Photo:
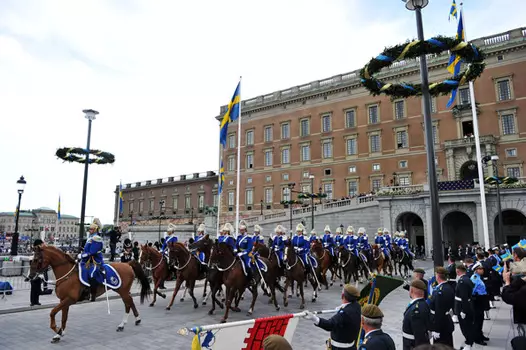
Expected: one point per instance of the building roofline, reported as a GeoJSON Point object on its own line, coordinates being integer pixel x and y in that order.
{"type": "Point", "coordinates": [491, 44]}
{"type": "Point", "coordinates": [180, 179]}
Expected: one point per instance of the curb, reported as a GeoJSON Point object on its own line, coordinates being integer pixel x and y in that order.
{"type": "Point", "coordinates": [50, 306]}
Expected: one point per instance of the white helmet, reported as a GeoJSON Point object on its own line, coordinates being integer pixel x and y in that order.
{"type": "Point", "coordinates": [350, 229]}
{"type": "Point", "coordinates": [95, 225]}
{"type": "Point", "coordinates": [201, 228]}
{"type": "Point", "coordinates": [386, 230]}
{"type": "Point", "coordinates": [300, 228]}
{"type": "Point", "coordinates": [278, 229]}
{"type": "Point", "coordinates": [380, 230]}
{"type": "Point", "coordinates": [171, 228]}
{"type": "Point", "coordinates": [402, 234]}
{"type": "Point", "coordinates": [327, 228]}
{"type": "Point", "coordinates": [361, 230]}
{"type": "Point", "coordinates": [313, 232]}
{"type": "Point", "coordinates": [338, 229]}
{"type": "Point", "coordinates": [257, 228]}
{"type": "Point", "coordinates": [227, 227]}
{"type": "Point", "coordinates": [242, 225]}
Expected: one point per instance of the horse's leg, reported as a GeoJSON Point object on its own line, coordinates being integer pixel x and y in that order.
{"type": "Point", "coordinates": [205, 294]}
{"type": "Point", "coordinates": [184, 293]}
{"type": "Point", "coordinates": [191, 291]}
{"type": "Point", "coordinates": [53, 324]}
{"type": "Point", "coordinates": [204, 290]}
{"type": "Point", "coordinates": [177, 287]}
{"type": "Point", "coordinates": [300, 287]}
{"type": "Point", "coordinates": [254, 290]}
{"type": "Point", "coordinates": [229, 297]}
{"type": "Point", "coordinates": [127, 308]}
{"type": "Point", "coordinates": [273, 297]}
{"type": "Point", "coordinates": [291, 289]}
{"type": "Point", "coordinates": [285, 294]}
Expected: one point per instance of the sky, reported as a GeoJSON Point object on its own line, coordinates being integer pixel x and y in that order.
{"type": "Point", "coordinates": [158, 72]}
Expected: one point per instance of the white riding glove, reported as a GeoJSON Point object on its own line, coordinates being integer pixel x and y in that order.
{"type": "Point", "coordinates": [462, 315]}
{"type": "Point", "coordinates": [435, 335]}
{"type": "Point", "coordinates": [310, 316]}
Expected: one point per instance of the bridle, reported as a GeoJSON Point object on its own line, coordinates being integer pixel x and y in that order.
{"type": "Point", "coordinates": [186, 264]}
{"type": "Point", "coordinates": [234, 260]}
{"type": "Point", "coordinates": [286, 259]}
{"type": "Point", "coordinates": [40, 270]}
{"type": "Point", "coordinates": [149, 258]}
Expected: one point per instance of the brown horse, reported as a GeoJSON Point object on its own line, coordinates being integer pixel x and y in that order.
{"type": "Point", "coordinates": [160, 269]}
{"type": "Point", "coordinates": [234, 278]}
{"type": "Point", "coordinates": [295, 271]}
{"type": "Point", "coordinates": [70, 290]}
{"type": "Point", "coordinates": [381, 263]}
{"type": "Point", "coordinates": [350, 265]}
{"type": "Point", "coordinates": [188, 269]}
{"type": "Point", "coordinates": [213, 276]}
{"type": "Point", "coordinates": [273, 274]}
{"type": "Point", "coordinates": [325, 262]}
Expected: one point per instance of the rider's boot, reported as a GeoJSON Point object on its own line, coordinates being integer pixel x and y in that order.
{"type": "Point", "coordinates": [93, 289]}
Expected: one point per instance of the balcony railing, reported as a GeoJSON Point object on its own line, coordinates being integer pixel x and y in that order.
{"type": "Point", "coordinates": [470, 141]}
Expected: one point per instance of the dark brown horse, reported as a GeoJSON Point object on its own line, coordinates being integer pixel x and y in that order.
{"type": "Point", "coordinates": [234, 278]}
{"type": "Point", "coordinates": [325, 263]}
{"type": "Point", "coordinates": [273, 274]}
{"type": "Point", "coordinates": [350, 264]}
{"type": "Point", "coordinates": [213, 276]}
{"type": "Point", "coordinates": [381, 263]}
{"type": "Point", "coordinates": [70, 290]}
{"type": "Point", "coordinates": [401, 258]}
{"type": "Point", "coordinates": [295, 271]}
{"type": "Point", "coordinates": [160, 270]}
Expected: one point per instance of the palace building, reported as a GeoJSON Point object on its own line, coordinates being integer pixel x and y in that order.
{"type": "Point", "coordinates": [332, 136]}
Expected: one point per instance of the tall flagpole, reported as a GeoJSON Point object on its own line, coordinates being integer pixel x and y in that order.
{"type": "Point", "coordinates": [238, 175]}
{"type": "Point", "coordinates": [477, 148]}
{"type": "Point", "coordinates": [219, 189]}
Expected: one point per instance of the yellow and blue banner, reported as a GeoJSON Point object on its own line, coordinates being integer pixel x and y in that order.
{"type": "Point", "coordinates": [506, 257]}
{"type": "Point", "coordinates": [231, 115]}
{"type": "Point", "coordinates": [58, 209]}
{"type": "Point", "coordinates": [498, 269]}
{"type": "Point", "coordinates": [453, 11]}
{"type": "Point", "coordinates": [221, 177]}
{"type": "Point", "coordinates": [521, 244]}
{"type": "Point", "coordinates": [121, 199]}
{"type": "Point", "coordinates": [454, 60]}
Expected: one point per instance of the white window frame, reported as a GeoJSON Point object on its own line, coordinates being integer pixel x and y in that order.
{"type": "Point", "coordinates": [249, 137]}
{"type": "Point", "coordinates": [249, 159]}
{"type": "Point", "coordinates": [352, 169]}
{"type": "Point", "coordinates": [399, 113]}
{"type": "Point", "coordinates": [326, 123]}
{"type": "Point", "coordinates": [269, 157]}
{"type": "Point", "coordinates": [285, 127]}
{"type": "Point", "coordinates": [350, 112]}
{"type": "Point", "coordinates": [249, 196]}
{"type": "Point", "coordinates": [303, 147]}
{"type": "Point", "coordinates": [285, 155]}
{"type": "Point", "coordinates": [268, 133]}
{"type": "Point", "coordinates": [369, 115]}
{"type": "Point", "coordinates": [377, 167]}
{"type": "Point", "coordinates": [268, 195]}
{"type": "Point", "coordinates": [326, 149]}
{"type": "Point", "coordinates": [307, 121]}
{"type": "Point", "coordinates": [232, 140]}
{"type": "Point", "coordinates": [231, 198]}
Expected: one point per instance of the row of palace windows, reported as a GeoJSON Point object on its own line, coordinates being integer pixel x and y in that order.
{"type": "Point", "coordinates": [175, 204]}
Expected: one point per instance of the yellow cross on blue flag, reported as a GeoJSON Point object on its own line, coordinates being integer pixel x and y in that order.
{"type": "Point", "coordinates": [231, 114]}
{"type": "Point", "coordinates": [454, 60]}
{"type": "Point", "coordinates": [453, 10]}
{"type": "Point", "coordinates": [58, 209]}
{"type": "Point", "coordinates": [121, 200]}
{"type": "Point", "coordinates": [221, 177]}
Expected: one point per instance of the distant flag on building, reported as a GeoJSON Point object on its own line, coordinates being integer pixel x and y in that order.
{"type": "Point", "coordinates": [58, 209]}
{"type": "Point", "coordinates": [453, 10]}
{"type": "Point", "coordinates": [121, 200]}
{"type": "Point", "coordinates": [454, 60]}
{"type": "Point", "coordinates": [221, 177]}
{"type": "Point", "coordinates": [231, 115]}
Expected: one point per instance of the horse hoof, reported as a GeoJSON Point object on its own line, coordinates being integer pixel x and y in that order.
{"type": "Point", "coordinates": [137, 322]}
{"type": "Point", "coordinates": [168, 308]}
{"type": "Point", "coordinates": [181, 300]}
{"type": "Point", "coordinates": [211, 312]}
{"type": "Point", "coordinates": [120, 329]}
{"type": "Point", "coordinates": [236, 309]}
{"type": "Point", "coordinates": [221, 306]}
{"type": "Point", "coordinates": [242, 298]}
{"type": "Point", "coordinates": [223, 320]}
{"type": "Point", "coordinates": [152, 304]}
{"type": "Point", "coordinates": [313, 300]}
{"type": "Point", "coordinates": [249, 313]}
{"type": "Point", "coordinates": [286, 304]}
{"type": "Point", "coordinates": [163, 296]}
{"type": "Point", "coordinates": [204, 303]}
{"type": "Point", "coordinates": [277, 308]}
{"type": "Point", "coordinates": [196, 306]}
{"type": "Point", "coordinates": [302, 306]}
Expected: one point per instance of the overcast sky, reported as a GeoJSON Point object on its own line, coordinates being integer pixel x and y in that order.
{"type": "Point", "coordinates": [158, 71]}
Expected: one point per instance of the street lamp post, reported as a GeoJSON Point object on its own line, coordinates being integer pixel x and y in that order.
{"type": "Point", "coordinates": [500, 238]}
{"type": "Point", "coordinates": [90, 115]}
{"type": "Point", "coordinates": [261, 211]}
{"type": "Point", "coordinates": [291, 188]}
{"type": "Point", "coordinates": [21, 184]}
{"type": "Point", "coordinates": [438, 257]}
{"type": "Point", "coordinates": [311, 177]}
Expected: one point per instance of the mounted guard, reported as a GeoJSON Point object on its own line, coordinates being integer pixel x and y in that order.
{"type": "Point", "coordinates": [92, 260]}
{"type": "Point", "coordinates": [258, 238]}
{"type": "Point", "coordinates": [278, 243]}
{"type": "Point", "coordinates": [350, 241]}
{"type": "Point", "coordinates": [338, 239]}
{"type": "Point", "coordinates": [381, 241]}
{"type": "Point", "coordinates": [313, 236]}
{"type": "Point", "coordinates": [200, 234]}
{"type": "Point", "coordinates": [302, 248]}
{"type": "Point", "coordinates": [225, 236]}
{"type": "Point", "coordinates": [170, 237]}
{"type": "Point", "coordinates": [328, 241]}
{"type": "Point", "coordinates": [363, 245]}
{"type": "Point", "coordinates": [404, 245]}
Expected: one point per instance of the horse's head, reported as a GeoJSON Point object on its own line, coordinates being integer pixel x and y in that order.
{"type": "Point", "coordinates": [219, 252]}
{"type": "Point", "coordinates": [177, 250]}
{"type": "Point", "coordinates": [288, 253]}
{"type": "Point", "coordinates": [204, 244]}
{"type": "Point", "coordinates": [47, 256]}
{"type": "Point", "coordinates": [146, 254]}
{"type": "Point", "coordinates": [39, 262]}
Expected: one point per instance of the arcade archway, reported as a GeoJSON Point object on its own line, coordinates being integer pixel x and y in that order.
{"type": "Point", "coordinates": [514, 226]}
{"type": "Point", "coordinates": [457, 229]}
{"type": "Point", "coordinates": [413, 224]}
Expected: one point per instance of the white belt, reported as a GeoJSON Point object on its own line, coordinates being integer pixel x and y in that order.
{"type": "Point", "coordinates": [408, 336]}
{"type": "Point", "coordinates": [342, 345]}
{"type": "Point", "coordinates": [458, 298]}
{"type": "Point", "coordinates": [433, 312]}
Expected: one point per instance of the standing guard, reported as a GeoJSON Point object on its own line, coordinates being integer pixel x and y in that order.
{"type": "Point", "coordinates": [464, 305]}
{"type": "Point", "coordinates": [441, 302]}
{"type": "Point", "coordinates": [278, 243]}
{"type": "Point", "coordinates": [345, 324]}
{"type": "Point", "coordinates": [328, 241]}
{"type": "Point", "coordinates": [480, 303]}
{"type": "Point", "coordinates": [92, 259]}
{"type": "Point", "coordinates": [417, 317]}
{"type": "Point", "coordinates": [374, 338]}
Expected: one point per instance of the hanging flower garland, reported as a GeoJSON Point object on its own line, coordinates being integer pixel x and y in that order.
{"type": "Point", "coordinates": [467, 52]}
{"type": "Point", "coordinates": [79, 155]}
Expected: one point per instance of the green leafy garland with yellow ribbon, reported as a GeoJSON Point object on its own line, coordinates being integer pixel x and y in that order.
{"type": "Point", "coordinates": [467, 52]}
{"type": "Point", "coordinates": [79, 155]}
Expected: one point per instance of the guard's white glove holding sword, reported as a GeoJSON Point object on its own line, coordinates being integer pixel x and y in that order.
{"type": "Point", "coordinates": [462, 315]}
{"type": "Point", "coordinates": [435, 335]}
{"type": "Point", "coordinates": [310, 316]}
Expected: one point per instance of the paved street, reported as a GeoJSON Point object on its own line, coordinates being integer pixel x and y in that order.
{"type": "Point", "coordinates": [90, 324]}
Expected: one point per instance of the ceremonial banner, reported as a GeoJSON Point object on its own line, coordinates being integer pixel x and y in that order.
{"type": "Point", "coordinates": [378, 288]}
{"type": "Point", "coordinates": [245, 335]}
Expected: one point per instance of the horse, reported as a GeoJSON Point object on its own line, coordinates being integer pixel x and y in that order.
{"type": "Point", "coordinates": [70, 290]}
{"type": "Point", "coordinates": [381, 262]}
{"type": "Point", "coordinates": [190, 271]}
{"type": "Point", "coordinates": [295, 270]}
{"type": "Point", "coordinates": [213, 276]}
{"type": "Point", "coordinates": [273, 274]}
{"type": "Point", "coordinates": [350, 264]}
{"type": "Point", "coordinates": [325, 263]}
{"type": "Point", "coordinates": [160, 269]}
{"type": "Point", "coordinates": [401, 258]}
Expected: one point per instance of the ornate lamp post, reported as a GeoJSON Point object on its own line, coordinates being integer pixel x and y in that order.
{"type": "Point", "coordinates": [21, 184]}
{"type": "Point", "coordinates": [438, 258]}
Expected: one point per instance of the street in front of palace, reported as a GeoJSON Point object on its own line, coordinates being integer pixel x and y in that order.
{"type": "Point", "coordinates": [90, 326]}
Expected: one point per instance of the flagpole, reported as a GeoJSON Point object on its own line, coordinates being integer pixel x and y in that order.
{"type": "Point", "coordinates": [477, 148]}
{"type": "Point", "coordinates": [238, 174]}
{"type": "Point", "coordinates": [219, 191]}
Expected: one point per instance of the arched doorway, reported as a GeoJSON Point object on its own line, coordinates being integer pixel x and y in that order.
{"type": "Point", "coordinates": [469, 170]}
{"type": "Point", "coordinates": [413, 224]}
{"type": "Point", "coordinates": [514, 226]}
{"type": "Point", "coordinates": [457, 229]}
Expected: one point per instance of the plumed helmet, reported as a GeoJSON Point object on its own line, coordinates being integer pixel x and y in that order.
{"type": "Point", "coordinates": [361, 230]}
{"type": "Point", "coordinates": [402, 234]}
{"type": "Point", "coordinates": [95, 225]}
{"type": "Point", "coordinates": [201, 228]}
{"type": "Point", "coordinates": [171, 228]}
{"type": "Point", "coordinates": [300, 227]}
{"type": "Point", "coordinates": [242, 225]}
{"type": "Point", "coordinates": [380, 230]}
{"type": "Point", "coordinates": [338, 229]}
{"type": "Point", "coordinates": [327, 228]}
{"type": "Point", "coordinates": [227, 227]}
{"type": "Point", "coordinates": [397, 234]}
{"type": "Point", "coordinates": [257, 228]}
{"type": "Point", "coordinates": [350, 229]}
{"type": "Point", "coordinates": [386, 230]}
{"type": "Point", "coordinates": [278, 229]}
{"type": "Point", "coordinates": [313, 232]}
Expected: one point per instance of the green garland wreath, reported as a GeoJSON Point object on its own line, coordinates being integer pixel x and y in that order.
{"type": "Point", "coordinates": [467, 52]}
{"type": "Point", "coordinates": [78, 155]}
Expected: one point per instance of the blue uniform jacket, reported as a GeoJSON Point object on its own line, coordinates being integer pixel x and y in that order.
{"type": "Point", "coordinates": [93, 250]}
{"type": "Point", "coordinates": [229, 240]}
{"type": "Point", "coordinates": [363, 243]}
{"type": "Point", "coordinates": [168, 240]}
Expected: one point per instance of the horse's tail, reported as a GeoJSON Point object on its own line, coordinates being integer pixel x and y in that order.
{"type": "Point", "coordinates": [141, 276]}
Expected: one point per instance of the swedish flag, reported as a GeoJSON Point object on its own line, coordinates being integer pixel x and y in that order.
{"type": "Point", "coordinates": [59, 216]}
{"type": "Point", "coordinates": [453, 10]}
{"type": "Point", "coordinates": [221, 177]}
{"type": "Point", "coordinates": [231, 114]}
{"type": "Point", "coordinates": [454, 60]}
{"type": "Point", "coordinates": [121, 199]}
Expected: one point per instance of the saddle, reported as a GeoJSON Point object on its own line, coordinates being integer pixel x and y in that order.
{"type": "Point", "coordinates": [108, 276]}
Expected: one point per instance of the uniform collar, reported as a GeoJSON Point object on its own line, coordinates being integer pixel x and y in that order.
{"type": "Point", "coordinates": [415, 300]}
{"type": "Point", "coordinates": [342, 306]}
{"type": "Point", "coordinates": [374, 330]}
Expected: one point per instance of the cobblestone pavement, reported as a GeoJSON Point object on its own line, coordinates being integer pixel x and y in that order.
{"type": "Point", "coordinates": [90, 324]}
